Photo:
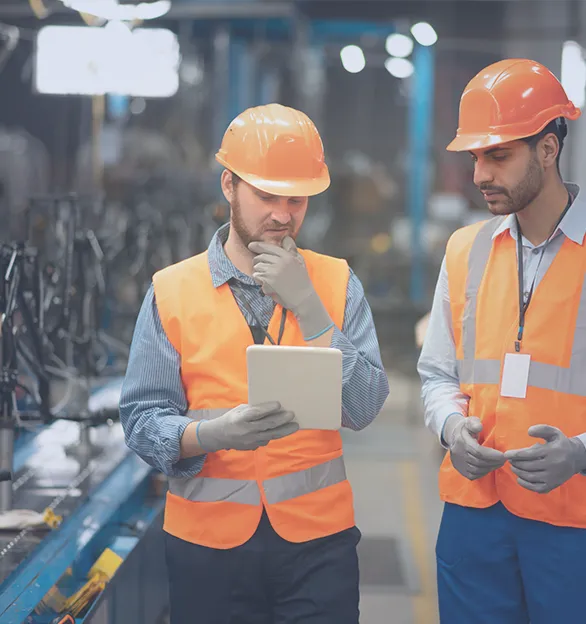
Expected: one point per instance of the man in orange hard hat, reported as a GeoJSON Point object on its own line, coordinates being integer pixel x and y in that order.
{"type": "Point", "coordinates": [503, 364]}
{"type": "Point", "coordinates": [259, 516]}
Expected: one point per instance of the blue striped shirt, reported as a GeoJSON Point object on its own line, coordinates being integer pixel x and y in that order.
{"type": "Point", "coordinates": [153, 402]}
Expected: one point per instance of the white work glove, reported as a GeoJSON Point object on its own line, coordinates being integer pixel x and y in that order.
{"type": "Point", "coordinates": [282, 273]}
{"type": "Point", "coordinates": [246, 427]}
{"type": "Point", "coordinates": [543, 467]}
{"type": "Point", "coordinates": [469, 458]}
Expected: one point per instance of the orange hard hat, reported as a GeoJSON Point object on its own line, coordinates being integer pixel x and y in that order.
{"type": "Point", "coordinates": [276, 149]}
{"type": "Point", "coordinates": [509, 100]}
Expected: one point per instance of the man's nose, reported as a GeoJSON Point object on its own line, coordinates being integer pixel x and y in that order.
{"type": "Point", "coordinates": [281, 214]}
{"type": "Point", "coordinates": [482, 173]}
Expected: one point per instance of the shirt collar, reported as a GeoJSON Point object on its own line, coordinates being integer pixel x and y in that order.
{"type": "Point", "coordinates": [573, 225]}
{"type": "Point", "coordinates": [221, 268]}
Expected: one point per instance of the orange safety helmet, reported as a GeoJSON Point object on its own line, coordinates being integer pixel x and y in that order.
{"type": "Point", "coordinates": [276, 149]}
{"type": "Point", "coordinates": [509, 100]}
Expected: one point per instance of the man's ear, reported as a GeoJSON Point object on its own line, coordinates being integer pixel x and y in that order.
{"type": "Point", "coordinates": [550, 147]}
{"type": "Point", "coordinates": [227, 186]}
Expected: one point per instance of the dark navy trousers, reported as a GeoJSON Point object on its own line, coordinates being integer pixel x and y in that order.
{"type": "Point", "coordinates": [267, 580]}
{"type": "Point", "coordinates": [496, 568]}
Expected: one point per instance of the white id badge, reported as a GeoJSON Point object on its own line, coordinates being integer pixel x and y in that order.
{"type": "Point", "coordinates": [515, 375]}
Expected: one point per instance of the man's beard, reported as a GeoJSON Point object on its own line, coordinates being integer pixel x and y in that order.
{"type": "Point", "coordinates": [245, 235]}
{"type": "Point", "coordinates": [522, 195]}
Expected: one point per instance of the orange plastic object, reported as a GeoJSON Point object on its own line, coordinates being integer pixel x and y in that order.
{"type": "Point", "coordinates": [64, 619]}
{"type": "Point", "coordinates": [276, 149]}
{"type": "Point", "coordinates": [507, 101]}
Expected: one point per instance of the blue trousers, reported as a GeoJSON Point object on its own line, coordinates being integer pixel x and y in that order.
{"type": "Point", "coordinates": [496, 568]}
{"type": "Point", "coordinates": [267, 580]}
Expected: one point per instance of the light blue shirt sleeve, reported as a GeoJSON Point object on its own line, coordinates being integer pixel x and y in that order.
{"type": "Point", "coordinates": [365, 384]}
{"type": "Point", "coordinates": [153, 402]}
{"type": "Point", "coordinates": [437, 365]}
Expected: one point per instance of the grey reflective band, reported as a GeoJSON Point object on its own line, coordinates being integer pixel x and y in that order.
{"type": "Point", "coordinates": [277, 490]}
{"type": "Point", "coordinates": [208, 414]}
{"type": "Point", "coordinates": [303, 482]}
{"type": "Point", "coordinates": [477, 261]}
{"type": "Point", "coordinates": [211, 490]}
{"type": "Point", "coordinates": [479, 371]}
{"type": "Point", "coordinates": [545, 376]}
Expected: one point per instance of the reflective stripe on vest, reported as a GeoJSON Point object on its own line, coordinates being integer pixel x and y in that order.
{"type": "Point", "coordinates": [545, 376]}
{"type": "Point", "coordinates": [211, 490]}
{"type": "Point", "coordinates": [277, 490]}
{"type": "Point", "coordinates": [296, 484]}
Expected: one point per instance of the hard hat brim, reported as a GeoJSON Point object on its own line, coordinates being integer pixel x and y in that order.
{"type": "Point", "coordinates": [285, 188]}
{"type": "Point", "coordinates": [466, 142]}
{"type": "Point", "coordinates": [469, 142]}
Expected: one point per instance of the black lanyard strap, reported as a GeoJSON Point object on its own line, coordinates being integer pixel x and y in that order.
{"type": "Point", "coordinates": [243, 299]}
{"type": "Point", "coordinates": [523, 305]}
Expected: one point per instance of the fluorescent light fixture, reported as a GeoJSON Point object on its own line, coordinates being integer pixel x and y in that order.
{"type": "Point", "coordinates": [111, 10]}
{"type": "Point", "coordinates": [424, 33]}
{"type": "Point", "coordinates": [352, 58]}
{"type": "Point", "coordinates": [399, 45]}
{"type": "Point", "coordinates": [95, 61]}
{"type": "Point", "coordinates": [574, 72]}
{"type": "Point", "coordinates": [399, 68]}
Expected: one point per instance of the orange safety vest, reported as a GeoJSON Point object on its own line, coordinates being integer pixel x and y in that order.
{"type": "Point", "coordinates": [484, 297]}
{"type": "Point", "coordinates": [300, 480]}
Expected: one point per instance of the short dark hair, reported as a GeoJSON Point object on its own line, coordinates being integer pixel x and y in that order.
{"type": "Point", "coordinates": [235, 179]}
{"type": "Point", "coordinates": [558, 127]}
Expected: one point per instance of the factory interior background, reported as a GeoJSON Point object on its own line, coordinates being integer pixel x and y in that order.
{"type": "Point", "coordinates": [111, 113]}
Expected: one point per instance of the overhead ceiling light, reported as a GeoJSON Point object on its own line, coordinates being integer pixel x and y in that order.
{"type": "Point", "coordinates": [113, 60]}
{"type": "Point", "coordinates": [399, 45]}
{"type": "Point", "coordinates": [424, 33]}
{"type": "Point", "coordinates": [352, 58]}
{"type": "Point", "coordinates": [399, 68]}
{"type": "Point", "coordinates": [112, 10]}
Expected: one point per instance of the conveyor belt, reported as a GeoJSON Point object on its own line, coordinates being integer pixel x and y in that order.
{"type": "Point", "coordinates": [52, 478]}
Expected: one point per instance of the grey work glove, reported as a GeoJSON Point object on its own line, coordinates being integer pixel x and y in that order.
{"type": "Point", "coordinates": [246, 427]}
{"type": "Point", "coordinates": [282, 273]}
{"type": "Point", "coordinates": [469, 458]}
{"type": "Point", "coordinates": [543, 467]}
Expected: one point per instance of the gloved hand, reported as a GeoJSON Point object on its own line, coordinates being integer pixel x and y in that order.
{"type": "Point", "coordinates": [543, 467]}
{"type": "Point", "coordinates": [469, 458]}
{"type": "Point", "coordinates": [282, 273]}
{"type": "Point", "coordinates": [246, 427]}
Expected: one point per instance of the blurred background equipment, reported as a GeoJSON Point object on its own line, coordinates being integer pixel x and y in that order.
{"type": "Point", "coordinates": [111, 112]}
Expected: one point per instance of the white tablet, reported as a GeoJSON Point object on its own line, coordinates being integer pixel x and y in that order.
{"type": "Point", "coordinates": [305, 380]}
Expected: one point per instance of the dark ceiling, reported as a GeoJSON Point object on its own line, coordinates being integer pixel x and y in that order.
{"type": "Point", "coordinates": [449, 16]}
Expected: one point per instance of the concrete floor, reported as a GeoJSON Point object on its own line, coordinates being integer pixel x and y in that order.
{"type": "Point", "coordinates": [393, 467]}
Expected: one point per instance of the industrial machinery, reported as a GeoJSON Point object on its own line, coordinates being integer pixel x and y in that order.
{"type": "Point", "coordinates": [80, 515]}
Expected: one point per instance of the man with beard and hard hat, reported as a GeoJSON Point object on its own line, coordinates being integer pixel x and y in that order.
{"type": "Point", "coordinates": [504, 362]}
{"type": "Point", "coordinates": [259, 517]}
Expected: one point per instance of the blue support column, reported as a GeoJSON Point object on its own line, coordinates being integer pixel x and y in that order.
{"type": "Point", "coordinates": [241, 77]}
{"type": "Point", "coordinates": [221, 84]}
{"type": "Point", "coordinates": [117, 105]}
{"type": "Point", "coordinates": [420, 137]}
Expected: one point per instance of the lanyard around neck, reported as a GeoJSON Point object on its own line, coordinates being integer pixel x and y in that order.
{"type": "Point", "coordinates": [523, 305]}
{"type": "Point", "coordinates": [243, 299]}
